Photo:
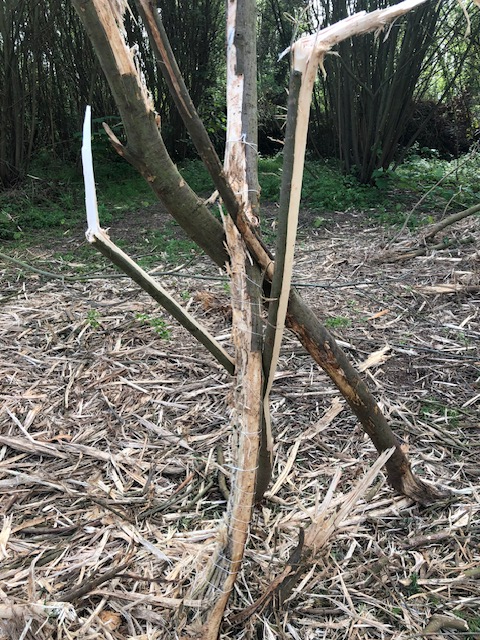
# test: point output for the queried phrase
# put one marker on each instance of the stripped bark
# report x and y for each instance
(217, 583)
(246, 219)
(100, 239)
(240, 170)
(146, 151)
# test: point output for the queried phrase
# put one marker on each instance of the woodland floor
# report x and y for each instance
(109, 436)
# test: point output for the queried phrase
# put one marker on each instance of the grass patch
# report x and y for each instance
(159, 325)
(473, 622)
(196, 175)
(93, 318)
(52, 197)
(448, 182)
(325, 188)
(339, 322)
(168, 248)
(433, 410)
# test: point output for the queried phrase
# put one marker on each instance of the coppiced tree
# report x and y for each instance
(238, 247)
(372, 87)
(445, 105)
(47, 71)
(18, 109)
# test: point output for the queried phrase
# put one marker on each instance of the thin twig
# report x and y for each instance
(91, 583)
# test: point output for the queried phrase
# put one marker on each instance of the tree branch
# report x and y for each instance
(146, 151)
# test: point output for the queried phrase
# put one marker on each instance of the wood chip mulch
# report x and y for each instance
(112, 421)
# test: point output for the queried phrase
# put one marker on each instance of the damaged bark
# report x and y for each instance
(146, 151)
(323, 348)
(245, 283)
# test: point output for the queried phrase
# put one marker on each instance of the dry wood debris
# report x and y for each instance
(109, 477)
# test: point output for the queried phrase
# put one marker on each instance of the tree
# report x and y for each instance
(370, 85)
(443, 113)
(47, 70)
(248, 260)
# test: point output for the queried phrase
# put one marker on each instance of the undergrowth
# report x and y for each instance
(52, 195)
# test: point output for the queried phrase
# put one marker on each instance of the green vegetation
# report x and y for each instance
(473, 624)
(197, 176)
(52, 197)
(324, 186)
(444, 182)
(158, 325)
(93, 318)
(339, 322)
(166, 246)
(432, 409)
(413, 588)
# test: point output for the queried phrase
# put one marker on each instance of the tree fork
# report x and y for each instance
(147, 153)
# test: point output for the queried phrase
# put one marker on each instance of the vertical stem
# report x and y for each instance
(241, 170)
(304, 69)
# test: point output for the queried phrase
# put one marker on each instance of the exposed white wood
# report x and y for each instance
(93, 224)
(362, 22)
(98, 236)
(235, 162)
(307, 56)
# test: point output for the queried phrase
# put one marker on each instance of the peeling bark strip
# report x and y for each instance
(146, 151)
(305, 60)
(241, 142)
(224, 566)
(246, 324)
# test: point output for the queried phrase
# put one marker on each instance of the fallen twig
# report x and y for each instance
(440, 621)
(91, 583)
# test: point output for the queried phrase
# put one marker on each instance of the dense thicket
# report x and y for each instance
(370, 86)
(48, 73)
(421, 84)
(381, 95)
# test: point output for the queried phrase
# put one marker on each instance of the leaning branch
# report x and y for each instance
(449, 220)
(100, 240)
(422, 245)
